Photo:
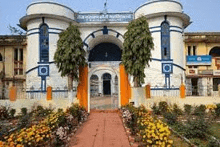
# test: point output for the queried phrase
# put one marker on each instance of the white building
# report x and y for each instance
(102, 34)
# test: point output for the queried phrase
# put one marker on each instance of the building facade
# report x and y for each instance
(202, 52)
(102, 35)
(12, 63)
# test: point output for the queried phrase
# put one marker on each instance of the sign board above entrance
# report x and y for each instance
(199, 60)
(100, 17)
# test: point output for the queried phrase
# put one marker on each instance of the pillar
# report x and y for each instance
(182, 91)
(49, 93)
(13, 93)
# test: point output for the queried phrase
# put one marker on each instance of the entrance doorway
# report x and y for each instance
(194, 86)
(106, 84)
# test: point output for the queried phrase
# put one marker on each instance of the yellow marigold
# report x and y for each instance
(170, 141)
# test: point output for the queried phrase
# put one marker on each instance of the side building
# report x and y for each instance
(202, 50)
(12, 63)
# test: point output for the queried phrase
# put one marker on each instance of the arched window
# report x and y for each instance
(94, 85)
(1, 59)
(44, 43)
(165, 40)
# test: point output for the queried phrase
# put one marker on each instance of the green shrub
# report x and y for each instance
(177, 110)
(197, 128)
(170, 117)
(12, 113)
(23, 111)
(188, 109)
(163, 107)
(213, 143)
(217, 110)
(155, 109)
(200, 110)
(4, 112)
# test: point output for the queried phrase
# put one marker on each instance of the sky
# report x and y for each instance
(204, 14)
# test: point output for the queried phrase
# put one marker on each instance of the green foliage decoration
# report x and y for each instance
(138, 44)
(70, 54)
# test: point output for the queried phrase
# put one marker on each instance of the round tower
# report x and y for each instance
(43, 23)
(166, 23)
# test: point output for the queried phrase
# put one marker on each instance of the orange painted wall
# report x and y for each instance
(82, 89)
(125, 88)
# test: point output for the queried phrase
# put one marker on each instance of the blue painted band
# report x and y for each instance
(100, 31)
(31, 69)
(33, 33)
(179, 66)
(36, 91)
(154, 59)
(56, 29)
(59, 90)
(158, 1)
(43, 62)
(155, 31)
(32, 29)
(54, 32)
(50, 3)
(176, 31)
(164, 89)
(154, 27)
(176, 27)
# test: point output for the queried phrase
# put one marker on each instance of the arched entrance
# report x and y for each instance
(104, 59)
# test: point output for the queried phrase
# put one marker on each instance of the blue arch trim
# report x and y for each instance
(118, 34)
(31, 69)
(159, 60)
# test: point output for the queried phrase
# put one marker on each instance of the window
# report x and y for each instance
(165, 40)
(18, 61)
(194, 50)
(189, 50)
(216, 82)
(1, 58)
(44, 43)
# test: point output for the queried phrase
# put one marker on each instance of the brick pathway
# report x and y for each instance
(101, 130)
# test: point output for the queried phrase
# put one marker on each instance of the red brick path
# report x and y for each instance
(101, 130)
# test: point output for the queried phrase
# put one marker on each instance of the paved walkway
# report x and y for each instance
(101, 130)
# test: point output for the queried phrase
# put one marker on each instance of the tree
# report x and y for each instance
(70, 54)
(136, 54)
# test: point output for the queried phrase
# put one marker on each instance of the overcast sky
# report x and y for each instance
(204, 14)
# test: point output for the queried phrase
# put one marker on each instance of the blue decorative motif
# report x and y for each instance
(43, 70)
(167, 68)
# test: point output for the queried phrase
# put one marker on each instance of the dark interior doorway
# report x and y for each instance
(106, 87)
(105, 52)
(195, 86)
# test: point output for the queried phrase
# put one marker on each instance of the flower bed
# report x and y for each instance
(149, 131)
(54, 130)
(194, 123)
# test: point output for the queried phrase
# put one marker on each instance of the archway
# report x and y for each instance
(105, 52)
(215, 51)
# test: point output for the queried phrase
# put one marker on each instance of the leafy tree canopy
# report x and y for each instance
(138, 44)
(70, 54)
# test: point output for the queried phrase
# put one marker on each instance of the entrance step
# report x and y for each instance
(104, 111)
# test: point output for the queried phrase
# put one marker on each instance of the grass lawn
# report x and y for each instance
(215, 129)
(178, 142)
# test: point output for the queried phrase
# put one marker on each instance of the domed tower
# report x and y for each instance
(166, 23)
(43, 23)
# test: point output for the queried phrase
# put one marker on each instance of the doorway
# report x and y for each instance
(194, 86)
(107, 87)
(106, 84)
